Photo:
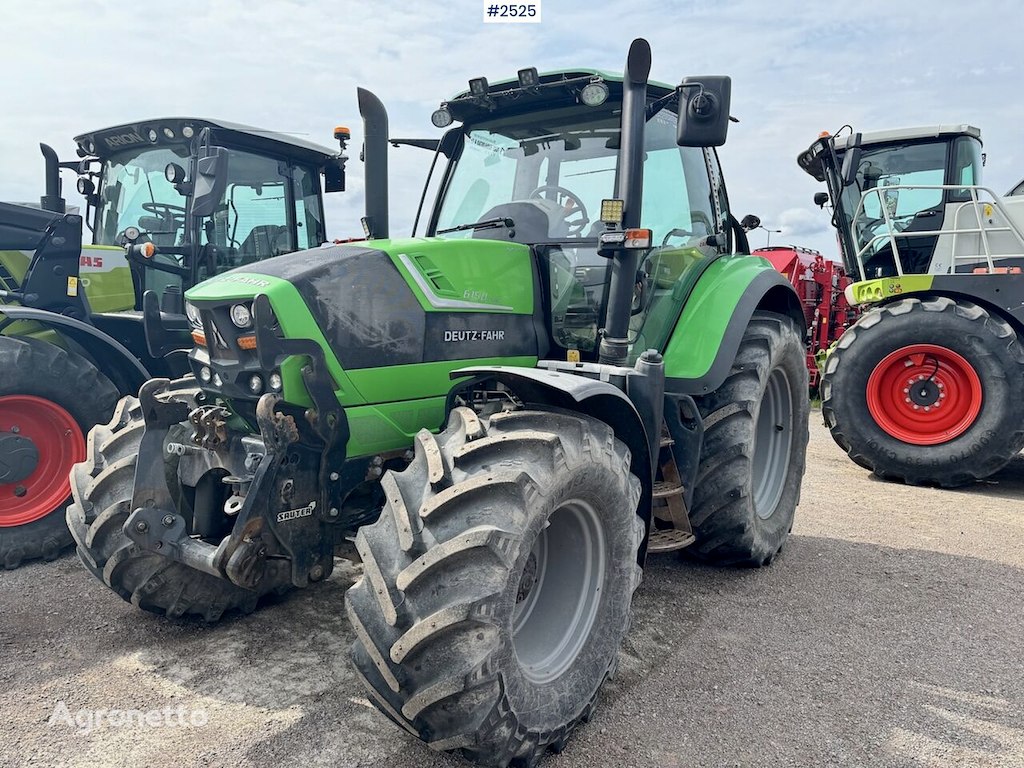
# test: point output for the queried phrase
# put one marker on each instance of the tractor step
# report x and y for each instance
(668, 491)
(669, 540)
(664, 489)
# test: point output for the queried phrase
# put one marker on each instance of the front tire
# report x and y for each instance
(49, 399)
(102, 489)
(497, 582)
(927, 392)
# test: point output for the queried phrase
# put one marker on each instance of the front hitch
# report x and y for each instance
(245, 556)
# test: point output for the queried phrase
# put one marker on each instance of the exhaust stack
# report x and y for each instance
(614, 343)
(375, 163)
(52, 201)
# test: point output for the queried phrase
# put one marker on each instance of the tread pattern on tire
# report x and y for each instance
(993, 331)
(35, 367)
(429, 649)
(102, 491)
(727, 528)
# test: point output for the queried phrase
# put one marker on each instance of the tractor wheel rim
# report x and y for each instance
(924, 394)
(60, 445)
(773, 438)
(560, 592)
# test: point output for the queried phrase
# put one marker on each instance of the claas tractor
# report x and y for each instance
(83, 325)
(926, 386)
(577, 366)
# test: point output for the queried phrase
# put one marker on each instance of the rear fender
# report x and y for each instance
(597, 399)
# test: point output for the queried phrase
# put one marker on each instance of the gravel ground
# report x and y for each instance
(889, 633)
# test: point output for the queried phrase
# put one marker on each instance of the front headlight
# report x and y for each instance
(193, 315)
(241, 316)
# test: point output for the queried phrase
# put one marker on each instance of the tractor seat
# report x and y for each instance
(532, 224)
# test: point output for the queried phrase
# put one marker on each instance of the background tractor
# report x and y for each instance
(82, 326)
(926, 386)
(578, 365)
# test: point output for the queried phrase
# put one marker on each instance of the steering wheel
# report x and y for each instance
(173, 216)
(564, 197)
(164, 210)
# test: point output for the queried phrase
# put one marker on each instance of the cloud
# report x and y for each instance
(797, 222)
(293, 65)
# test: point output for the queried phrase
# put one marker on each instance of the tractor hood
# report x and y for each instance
(470, 278)
(370, 306)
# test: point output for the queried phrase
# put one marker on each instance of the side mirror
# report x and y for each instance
(703, 111)
(750, 222)
(334, 176)
(211, 180)
(820, 199)
(851, 163)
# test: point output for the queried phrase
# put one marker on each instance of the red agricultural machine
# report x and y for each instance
(820, 283)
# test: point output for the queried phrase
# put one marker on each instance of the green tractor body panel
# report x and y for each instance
(465, 275)
(708, 301)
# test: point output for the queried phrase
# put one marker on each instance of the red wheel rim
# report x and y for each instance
(60, 444)
(924, 394)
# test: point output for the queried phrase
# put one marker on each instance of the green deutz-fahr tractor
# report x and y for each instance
(74, 319)
(574, 368)
(926, 387)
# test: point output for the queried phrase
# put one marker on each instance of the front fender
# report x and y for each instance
(112, 358)
(591, 397)
(704, 343)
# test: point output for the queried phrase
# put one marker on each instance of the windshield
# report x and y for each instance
(895, 192)
(135, 193)
(549, 172)
(270, 207)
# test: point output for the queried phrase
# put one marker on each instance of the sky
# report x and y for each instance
(798, 68)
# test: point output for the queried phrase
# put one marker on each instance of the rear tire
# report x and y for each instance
(970, 362)
(102, 491)
(754, 450)
(497, 582)
(61, 395)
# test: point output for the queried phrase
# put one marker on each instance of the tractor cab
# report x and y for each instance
(910, 201)
(170, 202)
(143, 184)
(537, 162)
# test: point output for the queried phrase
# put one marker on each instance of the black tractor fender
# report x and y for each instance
(769, 291)
(113, 359)
(591, 397)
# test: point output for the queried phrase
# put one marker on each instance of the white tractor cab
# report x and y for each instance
(910, 201)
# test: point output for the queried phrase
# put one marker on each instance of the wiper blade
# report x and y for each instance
(485, 224)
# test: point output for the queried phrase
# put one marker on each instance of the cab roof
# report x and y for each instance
(909, 134)
(171, 130)
(507, 97)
